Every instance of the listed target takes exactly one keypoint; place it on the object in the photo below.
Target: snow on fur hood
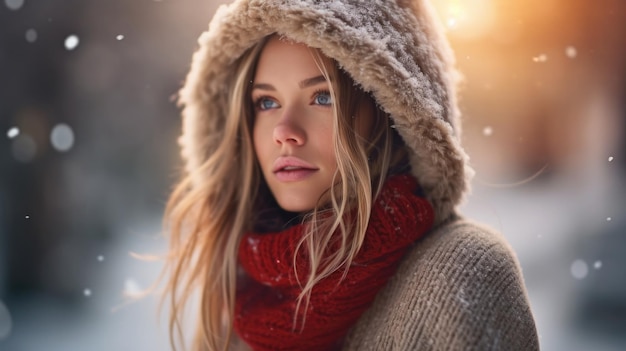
(394, 49)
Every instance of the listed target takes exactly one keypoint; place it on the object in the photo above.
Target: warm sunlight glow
(466, 18)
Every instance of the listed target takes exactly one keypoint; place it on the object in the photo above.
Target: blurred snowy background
(88, 155)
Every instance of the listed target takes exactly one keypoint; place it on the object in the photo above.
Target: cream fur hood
(395, 49)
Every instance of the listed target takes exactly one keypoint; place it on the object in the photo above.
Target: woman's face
(293, 125)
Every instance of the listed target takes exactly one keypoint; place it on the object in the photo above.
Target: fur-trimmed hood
(394, 49)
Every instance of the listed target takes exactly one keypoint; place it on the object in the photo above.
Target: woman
(323, 170)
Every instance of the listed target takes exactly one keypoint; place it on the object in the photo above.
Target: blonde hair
(207, 221)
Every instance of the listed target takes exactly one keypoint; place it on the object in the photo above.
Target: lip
(297, 169)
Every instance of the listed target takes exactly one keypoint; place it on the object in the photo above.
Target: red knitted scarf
(266, 305)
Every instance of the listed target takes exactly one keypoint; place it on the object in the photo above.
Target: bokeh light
(62, 137)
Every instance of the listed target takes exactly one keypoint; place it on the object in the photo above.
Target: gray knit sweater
(459, 288)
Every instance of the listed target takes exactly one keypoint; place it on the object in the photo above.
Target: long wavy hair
(206, 222)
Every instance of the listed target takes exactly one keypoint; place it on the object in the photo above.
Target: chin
(301, 198)
(301, 205)
(295, 206)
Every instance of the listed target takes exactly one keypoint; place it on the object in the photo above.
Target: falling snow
(579, 269)
(611, 159)
(71, 42)
(13, 132)
(608, 219)
(131, 287)
(100, 258)
(119, 37)
(27, 216)
(597, 264)
(571, 52)
(62, 137)
(540, 58)
(31, 35)
(254, 244)
(87, 292)
(487, 131)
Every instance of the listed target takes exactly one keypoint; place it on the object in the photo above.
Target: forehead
(286, 59)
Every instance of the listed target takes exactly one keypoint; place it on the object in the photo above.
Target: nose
(289, 131)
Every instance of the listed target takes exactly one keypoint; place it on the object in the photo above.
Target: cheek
(326, 146)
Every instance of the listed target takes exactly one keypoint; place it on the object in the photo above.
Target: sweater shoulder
(459, 288)
(463, 246)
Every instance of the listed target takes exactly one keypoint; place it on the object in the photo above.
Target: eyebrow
(312, 81)
(309, 82)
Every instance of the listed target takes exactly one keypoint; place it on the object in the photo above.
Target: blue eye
(264, 103)
(323, 98)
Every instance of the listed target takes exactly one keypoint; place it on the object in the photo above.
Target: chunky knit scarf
(266, 305)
